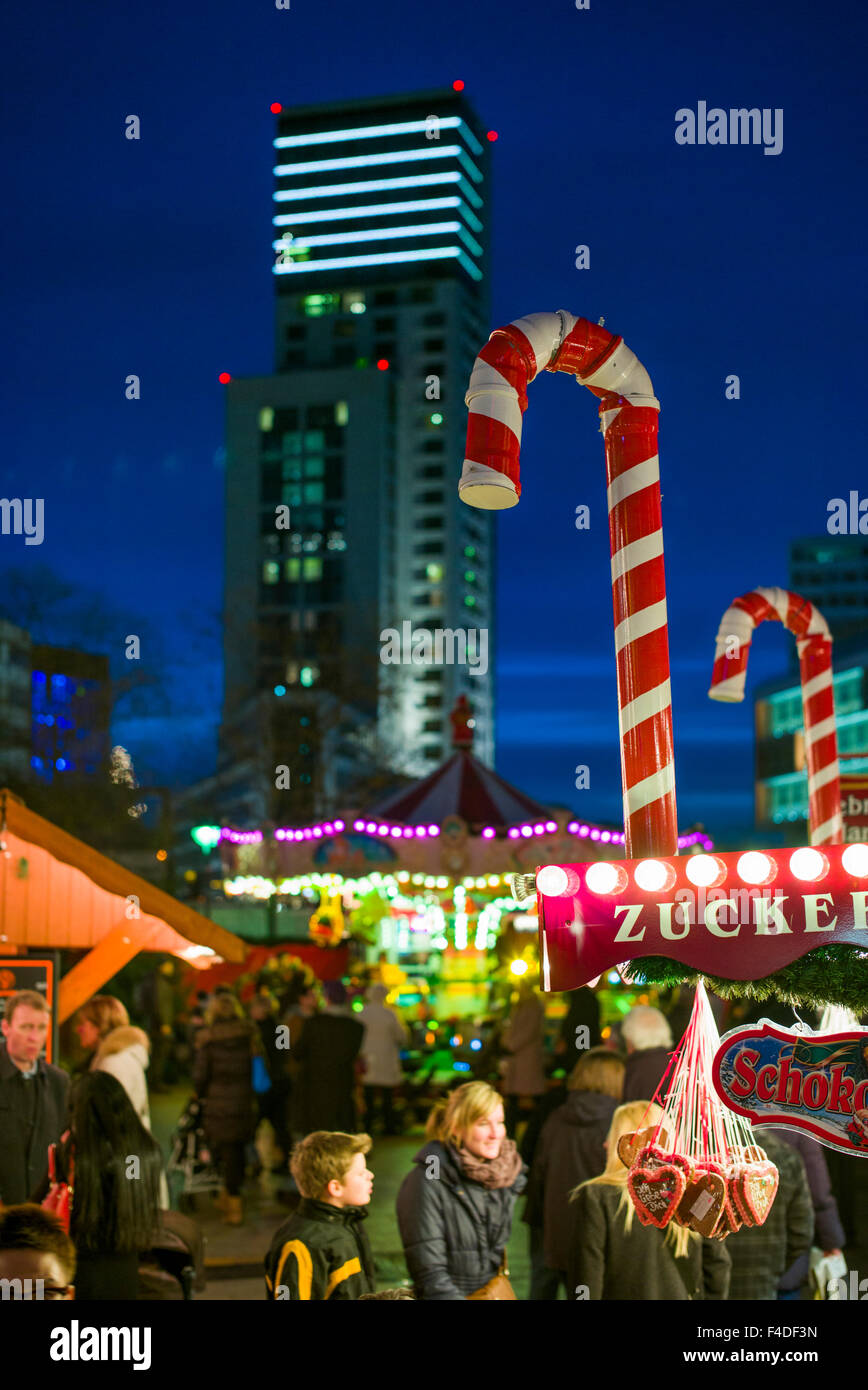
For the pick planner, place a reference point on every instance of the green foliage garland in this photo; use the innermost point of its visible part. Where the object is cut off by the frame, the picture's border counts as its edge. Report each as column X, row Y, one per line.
column 826, row 975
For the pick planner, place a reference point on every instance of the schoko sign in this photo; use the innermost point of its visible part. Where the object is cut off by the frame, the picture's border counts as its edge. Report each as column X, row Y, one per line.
column 817, row 1082
column 741, row 916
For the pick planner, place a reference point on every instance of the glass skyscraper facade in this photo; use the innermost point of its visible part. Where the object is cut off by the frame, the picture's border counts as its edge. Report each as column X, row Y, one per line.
column 343, row 519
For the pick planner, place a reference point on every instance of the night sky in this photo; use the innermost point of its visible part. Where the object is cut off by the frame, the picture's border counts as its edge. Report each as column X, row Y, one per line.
column 153, row 257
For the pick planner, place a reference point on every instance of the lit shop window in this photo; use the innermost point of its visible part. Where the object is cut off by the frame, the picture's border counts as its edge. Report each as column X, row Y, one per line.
column 313, row 306
column 271, row 572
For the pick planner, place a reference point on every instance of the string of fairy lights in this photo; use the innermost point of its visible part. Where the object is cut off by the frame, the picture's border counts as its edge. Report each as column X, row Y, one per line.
column 419, row 914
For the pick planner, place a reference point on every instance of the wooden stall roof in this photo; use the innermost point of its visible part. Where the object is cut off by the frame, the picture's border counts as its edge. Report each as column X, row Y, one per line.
column 57, row 893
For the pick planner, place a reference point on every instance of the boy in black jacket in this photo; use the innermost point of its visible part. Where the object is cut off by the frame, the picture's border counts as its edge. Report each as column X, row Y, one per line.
column 322, row 1251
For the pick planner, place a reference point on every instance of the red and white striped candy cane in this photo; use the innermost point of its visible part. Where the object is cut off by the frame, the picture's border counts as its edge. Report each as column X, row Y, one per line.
column 814, row 645
column 497, row 398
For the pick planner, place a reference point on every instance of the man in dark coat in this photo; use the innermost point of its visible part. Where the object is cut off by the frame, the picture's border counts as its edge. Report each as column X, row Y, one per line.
column 828, row 1230
column 761, row 1254
column 583, row 1012
column 329, row 1045
column 570, row 1151
column 33, row 1096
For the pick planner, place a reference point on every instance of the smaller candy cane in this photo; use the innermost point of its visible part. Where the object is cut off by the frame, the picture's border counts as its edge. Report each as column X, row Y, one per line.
column 814, row 645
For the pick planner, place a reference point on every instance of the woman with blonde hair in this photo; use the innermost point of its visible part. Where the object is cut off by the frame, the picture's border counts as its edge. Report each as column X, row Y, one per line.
column 103, row 1028
column 455, row 1208
column 613, row 1256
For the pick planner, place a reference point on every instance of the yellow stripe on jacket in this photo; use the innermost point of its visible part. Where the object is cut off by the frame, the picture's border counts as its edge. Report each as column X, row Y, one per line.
column 339, row 1275
column 305, row 1267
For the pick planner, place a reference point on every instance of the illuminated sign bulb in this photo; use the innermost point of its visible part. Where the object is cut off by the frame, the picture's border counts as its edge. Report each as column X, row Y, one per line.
column 808, row 864
column 705, row 870
column 654, row 876
column 605, row 878
column 757, row 868
column 855, row 860
column 552, row 881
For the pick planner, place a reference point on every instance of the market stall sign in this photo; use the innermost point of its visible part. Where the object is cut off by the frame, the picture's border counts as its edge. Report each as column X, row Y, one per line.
column 854, row 805
column 816, row 1082
column 739, row 915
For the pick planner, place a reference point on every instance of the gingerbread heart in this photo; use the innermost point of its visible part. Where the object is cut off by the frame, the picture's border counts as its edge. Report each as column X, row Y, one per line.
column 703, row 1203
column 629, row 1145
column 653, row 1156
column 656, row 1192
column 754, row 1190
column 752, row 1153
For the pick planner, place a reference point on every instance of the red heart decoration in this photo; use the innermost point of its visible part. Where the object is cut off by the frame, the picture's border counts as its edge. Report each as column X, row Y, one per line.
column 753, row 1190
column 654, row 1157
column 656, row 1192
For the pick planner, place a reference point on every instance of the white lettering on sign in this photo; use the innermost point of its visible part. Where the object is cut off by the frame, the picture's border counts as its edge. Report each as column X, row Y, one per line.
column 633, row 912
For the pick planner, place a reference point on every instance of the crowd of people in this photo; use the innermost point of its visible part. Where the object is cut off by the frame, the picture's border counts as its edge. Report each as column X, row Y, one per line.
column 83, row 1192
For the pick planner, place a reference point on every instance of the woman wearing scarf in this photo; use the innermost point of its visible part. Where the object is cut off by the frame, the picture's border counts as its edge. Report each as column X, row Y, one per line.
column 455, row 1208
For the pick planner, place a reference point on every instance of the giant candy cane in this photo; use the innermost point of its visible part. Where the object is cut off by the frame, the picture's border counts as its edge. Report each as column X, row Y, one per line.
column 497, row 399
column 814, row 645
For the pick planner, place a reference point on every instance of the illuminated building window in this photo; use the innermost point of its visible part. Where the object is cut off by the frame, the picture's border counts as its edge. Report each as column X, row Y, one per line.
column 293, row 570
column 315, row 305
column 342, row 413
column 434, row 573
column 271, row 572
column 312, row 568
column 266, row 418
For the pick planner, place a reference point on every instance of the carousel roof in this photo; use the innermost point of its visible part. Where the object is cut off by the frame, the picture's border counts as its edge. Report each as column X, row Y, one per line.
column 462, row 786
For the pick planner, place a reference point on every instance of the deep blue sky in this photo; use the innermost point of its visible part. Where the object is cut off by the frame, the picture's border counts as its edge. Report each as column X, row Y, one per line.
column 154, row 257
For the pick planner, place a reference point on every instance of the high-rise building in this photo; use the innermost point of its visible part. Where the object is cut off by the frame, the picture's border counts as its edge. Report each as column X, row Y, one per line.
column 343, row 519
column 832, row 571
column 14, row 702
column 55, row 710
column 71, row 713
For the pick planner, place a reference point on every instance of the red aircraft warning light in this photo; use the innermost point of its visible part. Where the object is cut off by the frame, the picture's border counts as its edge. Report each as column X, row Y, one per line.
column 224, row 378
column 383, row 364
column 458, row 85
column 276, row 108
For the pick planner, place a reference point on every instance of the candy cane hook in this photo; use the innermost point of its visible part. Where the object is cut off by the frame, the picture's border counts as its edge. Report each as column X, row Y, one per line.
column 814, row 645
column 497, row 399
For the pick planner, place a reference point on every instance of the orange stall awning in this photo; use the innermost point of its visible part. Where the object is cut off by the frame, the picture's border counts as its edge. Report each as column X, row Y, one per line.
column 56, row 893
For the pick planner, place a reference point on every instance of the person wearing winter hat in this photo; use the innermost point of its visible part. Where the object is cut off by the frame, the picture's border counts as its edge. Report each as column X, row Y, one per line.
column 455, row 1208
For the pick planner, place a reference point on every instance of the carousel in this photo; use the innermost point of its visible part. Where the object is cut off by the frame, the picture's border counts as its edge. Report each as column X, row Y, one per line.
column 424, row 882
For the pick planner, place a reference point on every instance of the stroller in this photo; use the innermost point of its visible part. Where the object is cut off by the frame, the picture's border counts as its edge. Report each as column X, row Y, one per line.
column 173, row 1266
column 191, row 1167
